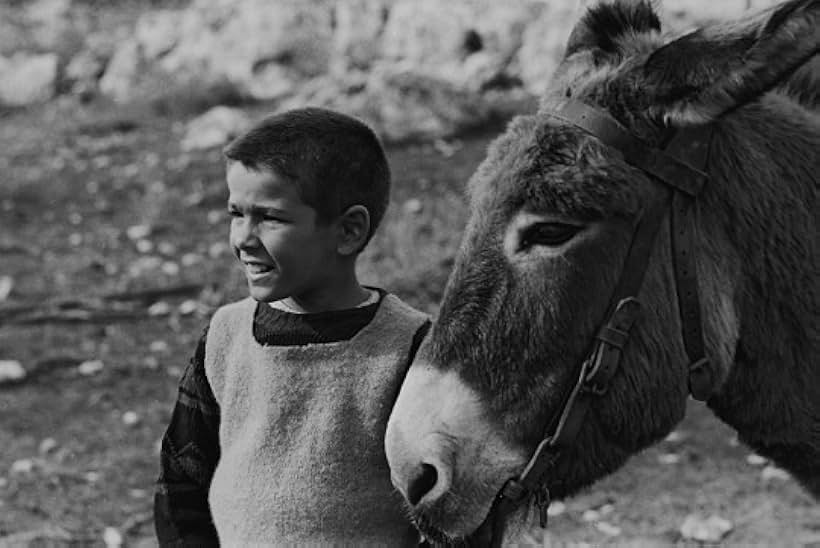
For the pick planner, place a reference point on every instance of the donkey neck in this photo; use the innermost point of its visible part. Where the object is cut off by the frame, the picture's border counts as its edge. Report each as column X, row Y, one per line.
column 760, row 257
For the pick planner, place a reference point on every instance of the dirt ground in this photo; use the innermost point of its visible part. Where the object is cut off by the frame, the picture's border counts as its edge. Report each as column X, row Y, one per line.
column 80, row 442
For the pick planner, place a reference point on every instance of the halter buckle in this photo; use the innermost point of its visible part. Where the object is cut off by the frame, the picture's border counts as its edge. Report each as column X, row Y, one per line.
column 542, row 501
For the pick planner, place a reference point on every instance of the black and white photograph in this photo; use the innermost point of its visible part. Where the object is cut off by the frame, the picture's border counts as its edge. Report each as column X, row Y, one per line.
column 419, row 273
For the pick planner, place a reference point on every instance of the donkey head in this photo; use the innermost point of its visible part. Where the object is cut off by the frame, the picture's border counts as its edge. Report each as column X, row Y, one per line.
column 553, row 211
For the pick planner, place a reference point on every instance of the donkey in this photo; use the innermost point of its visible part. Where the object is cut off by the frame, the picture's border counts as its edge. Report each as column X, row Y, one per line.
column 546, row 295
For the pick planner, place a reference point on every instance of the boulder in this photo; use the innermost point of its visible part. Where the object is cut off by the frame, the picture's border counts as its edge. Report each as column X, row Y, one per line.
column 28, row 78
column 542, row 45
column 123, row 73
column 84, row 70
column 357, row 40
column 157, row 32
column 214, row 128
column 398, row 102
column 469, row 44
column 261, row 46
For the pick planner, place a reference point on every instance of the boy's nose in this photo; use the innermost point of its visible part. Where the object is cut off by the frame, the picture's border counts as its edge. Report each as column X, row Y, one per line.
column 243, row 233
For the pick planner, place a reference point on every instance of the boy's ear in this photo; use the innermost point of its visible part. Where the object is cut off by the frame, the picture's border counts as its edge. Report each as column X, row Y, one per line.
column 354, row 228
column 698, row 77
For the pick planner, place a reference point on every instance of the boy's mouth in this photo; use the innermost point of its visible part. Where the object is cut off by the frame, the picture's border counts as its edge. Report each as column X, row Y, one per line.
column 257, row 270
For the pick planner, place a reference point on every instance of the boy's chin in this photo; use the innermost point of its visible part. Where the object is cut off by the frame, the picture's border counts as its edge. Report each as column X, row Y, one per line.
column 263, row 294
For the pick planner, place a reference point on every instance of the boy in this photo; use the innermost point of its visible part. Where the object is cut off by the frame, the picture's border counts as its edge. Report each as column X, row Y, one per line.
column 277, row 433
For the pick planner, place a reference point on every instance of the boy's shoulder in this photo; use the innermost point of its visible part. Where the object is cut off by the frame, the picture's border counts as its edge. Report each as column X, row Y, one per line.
column 233, row 311
column 395, row 311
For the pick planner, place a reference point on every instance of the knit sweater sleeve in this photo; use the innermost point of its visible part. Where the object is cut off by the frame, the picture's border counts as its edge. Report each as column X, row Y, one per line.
column 188, row 458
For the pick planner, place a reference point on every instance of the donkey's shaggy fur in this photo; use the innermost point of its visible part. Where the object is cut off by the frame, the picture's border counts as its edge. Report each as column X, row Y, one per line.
column 553, row 212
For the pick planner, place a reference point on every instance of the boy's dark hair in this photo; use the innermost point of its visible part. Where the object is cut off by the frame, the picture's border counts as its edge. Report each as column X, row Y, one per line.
column 335, row 160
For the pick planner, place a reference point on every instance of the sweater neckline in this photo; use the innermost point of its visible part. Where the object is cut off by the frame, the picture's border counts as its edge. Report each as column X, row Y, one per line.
column 276, row 327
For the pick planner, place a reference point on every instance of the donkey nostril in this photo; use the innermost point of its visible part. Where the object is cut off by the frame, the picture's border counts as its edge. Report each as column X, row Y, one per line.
column 422, row 483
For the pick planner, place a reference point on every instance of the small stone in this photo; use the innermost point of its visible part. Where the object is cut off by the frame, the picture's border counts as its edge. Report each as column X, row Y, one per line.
column 138, row 232
column 22, row 466
column 75, row 239
column 151, row 362
column 138, row 493
column 188, row 307
column 11, row 370
column 92, row 477
column 130, row 418
column 130, row 171
column 669, row 458
column 606, row 509
column 556, row 509
column 75, row 218
column 6, row 285
column 190, row 259
column 174, row 371
column 774, row 473
column 144, row 246
column 675, row 436
column 159, row 347
column 112, row 537
column 3, row 482
column 159, row 308
column 608, row 529
column 591, row 515
column 157, row 187
column 101, row 162
column 756, row 460
column 413, row 206
column 47, row 446
column 92, row 187
column 711, row 529
column 90, row 367
column 170, row 268
column 446, row 149
column 167, row 248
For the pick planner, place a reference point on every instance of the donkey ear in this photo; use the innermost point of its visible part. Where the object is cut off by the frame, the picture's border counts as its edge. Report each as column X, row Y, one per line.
column 605, row 22
column 698, row 77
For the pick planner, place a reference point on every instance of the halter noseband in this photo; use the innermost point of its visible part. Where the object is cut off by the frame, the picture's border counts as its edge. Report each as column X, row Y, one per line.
column 680, row 165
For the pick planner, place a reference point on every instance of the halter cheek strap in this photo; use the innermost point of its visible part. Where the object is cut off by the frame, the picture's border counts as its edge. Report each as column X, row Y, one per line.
column 681, row 167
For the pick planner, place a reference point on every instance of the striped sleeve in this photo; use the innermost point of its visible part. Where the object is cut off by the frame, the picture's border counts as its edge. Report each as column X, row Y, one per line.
column 188, row 458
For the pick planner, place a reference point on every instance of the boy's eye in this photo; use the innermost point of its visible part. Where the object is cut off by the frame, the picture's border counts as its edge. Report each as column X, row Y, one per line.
column 234, row 213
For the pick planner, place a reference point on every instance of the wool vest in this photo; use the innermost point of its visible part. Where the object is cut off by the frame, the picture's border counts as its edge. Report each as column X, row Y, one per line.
column 301, row 432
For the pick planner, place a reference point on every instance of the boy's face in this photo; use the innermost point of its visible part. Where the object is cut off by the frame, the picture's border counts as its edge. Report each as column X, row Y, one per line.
column 284, row 251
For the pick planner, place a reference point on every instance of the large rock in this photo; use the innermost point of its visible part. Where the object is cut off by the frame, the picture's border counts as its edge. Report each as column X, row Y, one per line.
column 543, row 44
column 28, row 78
column 214, row 128
column 263, row 47
column 466, row 43
column 121, row 78
column 357, row 40
column 398, row 102
column 157, row 32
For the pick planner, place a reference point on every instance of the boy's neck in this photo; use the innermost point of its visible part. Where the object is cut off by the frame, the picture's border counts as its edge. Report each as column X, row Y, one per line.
column 346, row 293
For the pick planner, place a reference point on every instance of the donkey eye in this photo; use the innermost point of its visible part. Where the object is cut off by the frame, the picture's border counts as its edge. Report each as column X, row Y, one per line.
column 548, row 234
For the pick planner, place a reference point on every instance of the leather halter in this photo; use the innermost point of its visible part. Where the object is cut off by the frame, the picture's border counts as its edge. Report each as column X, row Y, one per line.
column 680, row 165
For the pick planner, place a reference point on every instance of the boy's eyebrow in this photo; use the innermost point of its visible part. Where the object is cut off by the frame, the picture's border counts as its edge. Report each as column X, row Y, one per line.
column 255, row 209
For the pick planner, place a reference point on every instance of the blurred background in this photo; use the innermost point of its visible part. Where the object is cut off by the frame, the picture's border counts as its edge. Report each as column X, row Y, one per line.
column 113, row 235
